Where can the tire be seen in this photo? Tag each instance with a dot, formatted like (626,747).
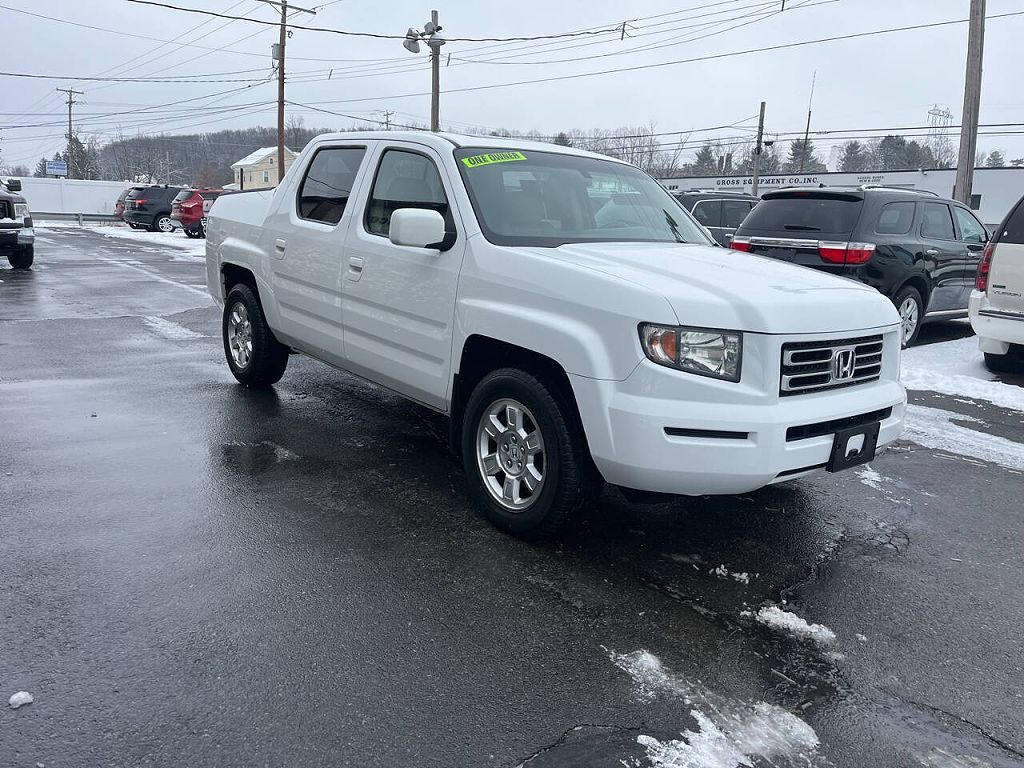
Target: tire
(1008,363)
(244,330)
(193,233)
(909,298)
(23,258)
(560,457)
(162,222)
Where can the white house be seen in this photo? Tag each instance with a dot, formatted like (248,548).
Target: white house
(258,170)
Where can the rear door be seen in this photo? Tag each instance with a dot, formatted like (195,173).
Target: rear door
(942,255)
(1006,278)
(306,243)
(972,236)
(789,225)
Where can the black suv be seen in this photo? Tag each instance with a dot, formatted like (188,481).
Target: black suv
(920,250)
(150,207)
(719,212)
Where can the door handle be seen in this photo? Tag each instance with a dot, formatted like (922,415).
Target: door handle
(355,268)
(279,248)
(931,252)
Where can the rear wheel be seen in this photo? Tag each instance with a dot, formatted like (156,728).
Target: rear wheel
(1011,362)
(22,258)
(256,358)
(162,223)
(193,233)
(524,454)
(911,308)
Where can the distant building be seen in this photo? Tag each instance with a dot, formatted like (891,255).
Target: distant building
(258,170)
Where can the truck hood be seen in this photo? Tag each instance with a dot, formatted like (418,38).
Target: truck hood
(723,288)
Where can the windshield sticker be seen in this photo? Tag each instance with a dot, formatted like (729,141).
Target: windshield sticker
(493,157)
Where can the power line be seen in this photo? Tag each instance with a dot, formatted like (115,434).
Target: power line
(377,35)
(176,79)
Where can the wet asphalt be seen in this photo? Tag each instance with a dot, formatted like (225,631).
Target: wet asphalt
(196,574)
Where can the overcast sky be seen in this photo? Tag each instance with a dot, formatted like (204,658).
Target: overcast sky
(882,81)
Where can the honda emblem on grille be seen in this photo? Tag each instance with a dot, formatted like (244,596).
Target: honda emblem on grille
(843,364)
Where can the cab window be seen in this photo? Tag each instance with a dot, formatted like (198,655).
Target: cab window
(328,182)
(936,221)
(404,180)
(895,218)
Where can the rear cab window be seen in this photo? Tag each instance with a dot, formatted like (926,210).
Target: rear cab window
(805,214)
(327,184)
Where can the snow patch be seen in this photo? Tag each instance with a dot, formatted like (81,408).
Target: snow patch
(870,477)
(724,573)
(861,637)
(783,621)
(937,429)
(729,733)
(940,758)
(957,368)
(20,699)
(169,329)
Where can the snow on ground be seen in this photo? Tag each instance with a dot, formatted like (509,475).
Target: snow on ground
(724,573)
(20,699)
(789,623)
(957,368)
(194,250)
(170,330)
(729,733)
(944,431)
(870,477)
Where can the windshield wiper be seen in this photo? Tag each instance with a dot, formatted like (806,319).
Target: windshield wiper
(674,226)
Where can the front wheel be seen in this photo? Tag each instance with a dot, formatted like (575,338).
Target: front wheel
(256,358)
(22,258)
(911,308)
(524,454)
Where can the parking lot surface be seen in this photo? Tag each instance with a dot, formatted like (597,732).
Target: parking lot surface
(200,574)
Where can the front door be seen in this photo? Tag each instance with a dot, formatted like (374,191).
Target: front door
(306,245)
(942,256)
(972,236)
(399,302)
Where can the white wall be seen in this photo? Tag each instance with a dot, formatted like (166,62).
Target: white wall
(999,188)
(71,195)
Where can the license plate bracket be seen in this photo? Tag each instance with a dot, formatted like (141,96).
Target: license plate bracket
(853,447)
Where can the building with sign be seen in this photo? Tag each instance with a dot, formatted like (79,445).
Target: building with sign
(995,189)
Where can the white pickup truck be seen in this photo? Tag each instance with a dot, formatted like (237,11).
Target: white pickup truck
(573,320)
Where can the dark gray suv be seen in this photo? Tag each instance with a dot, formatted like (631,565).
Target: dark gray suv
(920,250)
(719,212)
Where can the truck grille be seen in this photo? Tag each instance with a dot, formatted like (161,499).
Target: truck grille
(6,210)
(813,366)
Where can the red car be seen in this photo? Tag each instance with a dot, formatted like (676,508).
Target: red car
(189,209)
(119,205)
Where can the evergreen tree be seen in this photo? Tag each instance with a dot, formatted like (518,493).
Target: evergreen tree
(706,162)
(995,159)
(563,140)
(854,157)
(802,158)
(1017,162)
(920,156)
(891,153)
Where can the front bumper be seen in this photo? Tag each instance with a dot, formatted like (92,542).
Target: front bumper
(996,329)
(12,239)
(736,438)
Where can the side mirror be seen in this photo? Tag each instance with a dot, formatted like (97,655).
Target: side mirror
(417,227)
(13,185)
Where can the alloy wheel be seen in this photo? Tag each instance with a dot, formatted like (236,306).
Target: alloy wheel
(510,454)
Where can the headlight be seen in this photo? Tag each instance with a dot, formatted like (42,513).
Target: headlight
(20,210)
(704,351)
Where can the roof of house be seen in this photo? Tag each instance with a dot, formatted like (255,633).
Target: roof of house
(254,158)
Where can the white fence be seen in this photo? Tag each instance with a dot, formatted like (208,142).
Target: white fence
(71,195)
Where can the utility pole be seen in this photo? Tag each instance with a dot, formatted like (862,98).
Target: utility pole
(757,150)
(435,79)
(972,104)
(434,42)
(807,131)
(387,113)
(71,101)
(283,5)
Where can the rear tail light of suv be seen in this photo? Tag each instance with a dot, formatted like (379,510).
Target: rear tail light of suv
(833,252)
(984,267)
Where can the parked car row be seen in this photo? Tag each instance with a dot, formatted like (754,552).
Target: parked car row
(164,208)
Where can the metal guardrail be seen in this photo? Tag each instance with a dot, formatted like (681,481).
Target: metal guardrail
(81,218)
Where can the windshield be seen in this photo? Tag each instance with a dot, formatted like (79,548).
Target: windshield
(549,199)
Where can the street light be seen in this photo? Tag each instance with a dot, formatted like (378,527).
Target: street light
(434,42)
